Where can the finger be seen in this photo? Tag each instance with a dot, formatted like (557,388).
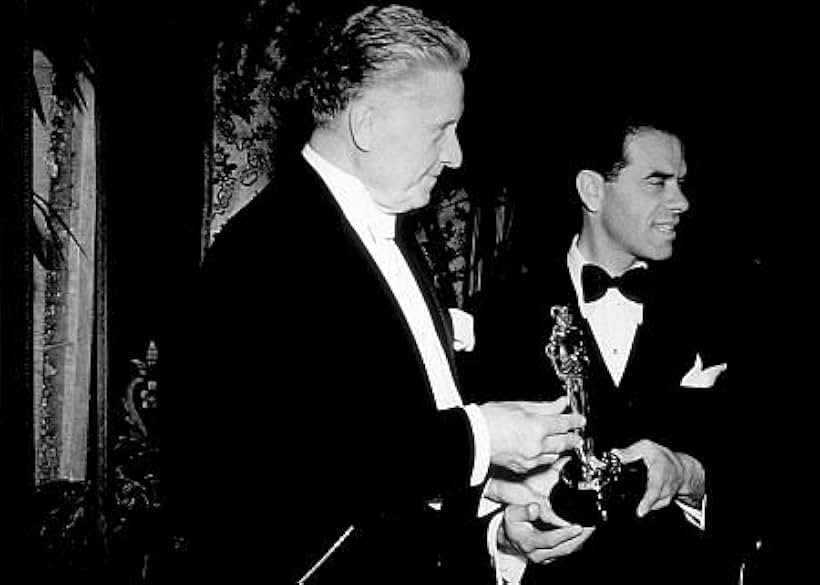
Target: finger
(560,424)
(549,539)
(651,495)
(518,464)
(524,465)
(542,459)
(662,503)
(547,408)
(507,492)
(628,455)
(562,549)
(560,443)
(548,516)
(528,513)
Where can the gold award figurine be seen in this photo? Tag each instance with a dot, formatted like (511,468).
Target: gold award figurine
(591,486)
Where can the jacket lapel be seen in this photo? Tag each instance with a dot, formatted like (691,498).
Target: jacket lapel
(414,256)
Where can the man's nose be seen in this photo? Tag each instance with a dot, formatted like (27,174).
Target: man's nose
(678,202)
(451,155)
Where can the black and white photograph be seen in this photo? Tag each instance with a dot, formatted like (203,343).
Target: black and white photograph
(325,292)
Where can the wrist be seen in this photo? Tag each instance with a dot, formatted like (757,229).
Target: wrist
(693,486)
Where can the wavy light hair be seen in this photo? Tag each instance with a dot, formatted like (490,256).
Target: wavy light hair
(378,46)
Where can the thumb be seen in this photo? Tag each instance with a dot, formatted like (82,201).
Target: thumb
(526,513)
(533,511)
(628,455)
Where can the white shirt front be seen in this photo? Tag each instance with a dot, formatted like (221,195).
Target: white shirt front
(613,318)
(376,229)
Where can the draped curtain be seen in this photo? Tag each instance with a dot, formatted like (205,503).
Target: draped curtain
(248,101)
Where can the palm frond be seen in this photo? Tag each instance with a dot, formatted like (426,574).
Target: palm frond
(62,32)
(49,247)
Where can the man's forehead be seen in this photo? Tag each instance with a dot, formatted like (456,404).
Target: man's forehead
(656,150)
(441,90)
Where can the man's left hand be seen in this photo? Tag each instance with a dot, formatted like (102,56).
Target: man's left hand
(669,475)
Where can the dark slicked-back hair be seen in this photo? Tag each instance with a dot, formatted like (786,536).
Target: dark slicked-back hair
(378,46)
(600,143)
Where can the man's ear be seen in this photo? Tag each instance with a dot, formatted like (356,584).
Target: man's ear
(360,119)
(590,187)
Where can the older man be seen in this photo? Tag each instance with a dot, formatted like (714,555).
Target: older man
(331,412)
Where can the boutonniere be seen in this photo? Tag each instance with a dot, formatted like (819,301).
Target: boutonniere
(463,330)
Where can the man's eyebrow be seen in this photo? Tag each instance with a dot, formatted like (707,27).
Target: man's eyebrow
(659,175)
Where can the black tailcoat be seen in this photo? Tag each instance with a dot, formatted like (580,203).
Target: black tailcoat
(308,408)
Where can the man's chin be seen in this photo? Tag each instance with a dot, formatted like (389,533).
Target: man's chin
(418,199)
(661,253)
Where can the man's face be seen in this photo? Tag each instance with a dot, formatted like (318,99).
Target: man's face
(414,139)
(642,205)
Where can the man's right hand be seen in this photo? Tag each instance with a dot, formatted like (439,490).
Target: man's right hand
(524,435)
(518,536)
(534,487)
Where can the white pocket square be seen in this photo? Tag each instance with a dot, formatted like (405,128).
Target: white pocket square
(698,377)
(463,330)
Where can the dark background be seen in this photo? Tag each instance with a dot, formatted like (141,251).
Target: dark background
(737,81)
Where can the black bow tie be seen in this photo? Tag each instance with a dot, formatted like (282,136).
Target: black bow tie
(595,282)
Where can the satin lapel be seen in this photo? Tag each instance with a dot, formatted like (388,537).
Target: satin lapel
(641,361)
(441,318)
(341,233)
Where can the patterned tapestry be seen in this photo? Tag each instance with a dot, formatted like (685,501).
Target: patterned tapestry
(250,88)
(247,98)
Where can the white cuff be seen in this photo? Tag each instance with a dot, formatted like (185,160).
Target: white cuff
(695,516)
(486,506)
(481,439)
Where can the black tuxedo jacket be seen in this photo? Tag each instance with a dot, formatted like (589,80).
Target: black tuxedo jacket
(513,326)
(311,411)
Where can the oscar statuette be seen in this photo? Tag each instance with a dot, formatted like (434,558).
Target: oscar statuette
(593,487)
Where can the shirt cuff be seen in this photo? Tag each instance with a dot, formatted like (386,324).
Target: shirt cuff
(481,439)
(695,516)
(509,569)
(486,506)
